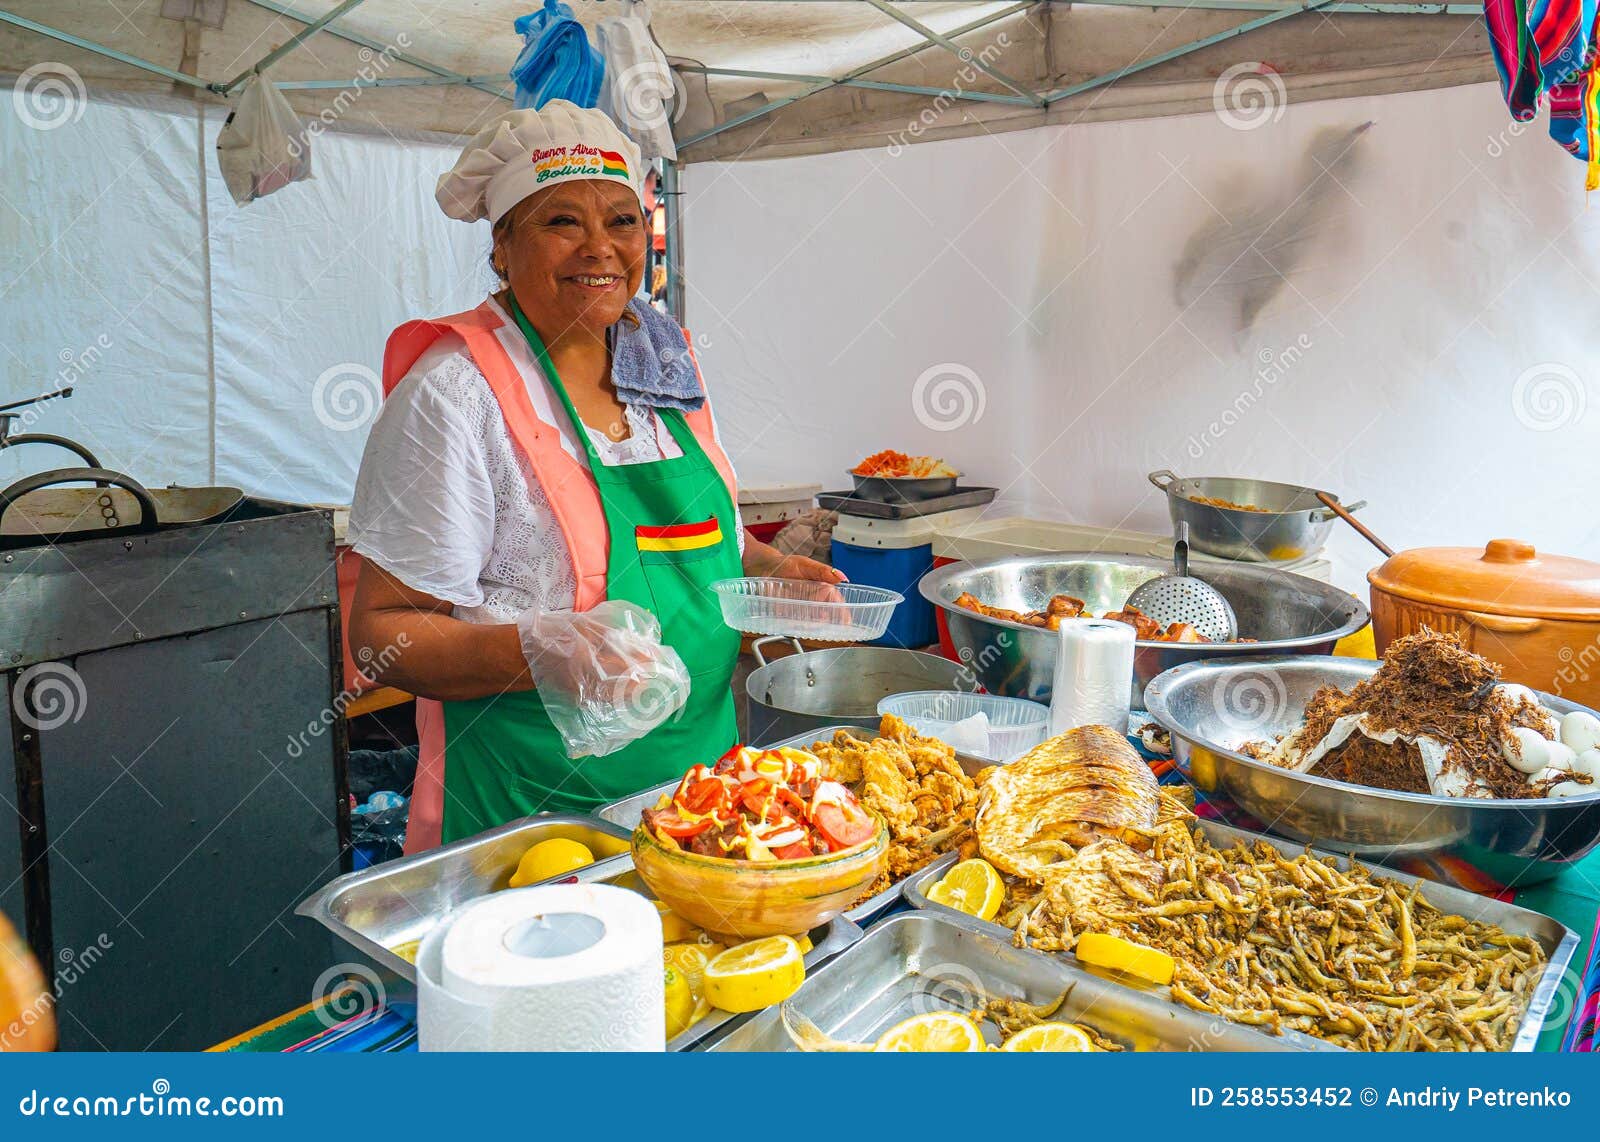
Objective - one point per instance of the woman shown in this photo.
(543, 504)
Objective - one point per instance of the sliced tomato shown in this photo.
(844, 826)
(669, 822)
(795, 851)
(791, 801)
(703, 796)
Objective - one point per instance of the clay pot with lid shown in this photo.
(1537, 615)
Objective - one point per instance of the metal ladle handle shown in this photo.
(1343, 513)
(1180, 548)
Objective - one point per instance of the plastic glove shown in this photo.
(604, 674)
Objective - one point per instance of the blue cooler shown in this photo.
(895, 554)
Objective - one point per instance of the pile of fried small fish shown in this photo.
(915, 784)
(1284, 943)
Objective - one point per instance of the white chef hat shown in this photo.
(524, 151)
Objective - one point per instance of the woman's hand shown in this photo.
(767, 561)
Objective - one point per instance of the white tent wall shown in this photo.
(108, 268)
(1425, 342)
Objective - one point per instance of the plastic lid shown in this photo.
(1507, 577)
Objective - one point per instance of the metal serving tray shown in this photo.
(921, 961)
(625, 814)
(378, 908)
(827, 941)
(1557, 940)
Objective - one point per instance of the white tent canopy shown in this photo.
(768, 77)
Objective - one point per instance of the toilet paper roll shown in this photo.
(1094, 672)
(564, 967)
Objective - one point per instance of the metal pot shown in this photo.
(817, 688)
(1283, 612)
(1293, 525)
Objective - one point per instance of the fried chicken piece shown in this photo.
(915, 784)
(1146, 629)
(1064, 606)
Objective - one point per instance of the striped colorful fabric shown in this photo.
(1549, 48)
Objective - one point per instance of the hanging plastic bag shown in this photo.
(640, 91)
(262, 147)
(556, 61)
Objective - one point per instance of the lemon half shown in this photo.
(933, 1031)
(748, 977)
(1050, 1037)
(973, 887)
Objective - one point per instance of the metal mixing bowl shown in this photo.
(1211, 708)
(1283, 612)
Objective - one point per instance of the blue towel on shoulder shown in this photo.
(650, 362)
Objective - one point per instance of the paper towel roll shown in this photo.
(563, 967)
(1094, 673)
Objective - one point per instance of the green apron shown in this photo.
(503, 757)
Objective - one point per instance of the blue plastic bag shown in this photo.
(556, 61)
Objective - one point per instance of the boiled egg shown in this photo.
(1526, 750)
(1580, 730)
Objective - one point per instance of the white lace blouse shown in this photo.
(447, 504)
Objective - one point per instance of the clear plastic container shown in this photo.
(802, 608)
(1016, 725)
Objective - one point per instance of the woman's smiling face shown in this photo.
(574, 254)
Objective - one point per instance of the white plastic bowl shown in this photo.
(802, 608)
(1016, 725)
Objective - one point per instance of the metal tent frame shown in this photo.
(1020, 94)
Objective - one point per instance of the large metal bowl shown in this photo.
(1211, 708)
(1283, 612)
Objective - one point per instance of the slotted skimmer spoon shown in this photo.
(1181, 598)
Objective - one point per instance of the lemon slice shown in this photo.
(751, 976)
(1125, 956)
(674, 928)
(973, 887)
(1050, 1037)
(555, 857)
(680, 1002)
(805, 943)
(933, 1031)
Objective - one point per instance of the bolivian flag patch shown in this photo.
(679, 542)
